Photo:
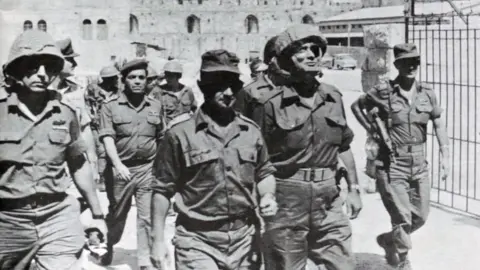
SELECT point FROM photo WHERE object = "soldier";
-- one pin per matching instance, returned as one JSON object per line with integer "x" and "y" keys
{"x": 178, "y": 100}
{"x": 305, "y": 129}
{"x": 38, "y": 134}
{"x": 131, "y": 126}
{"x": 97, "y": 94}
{"x": 406, "y": 106}
{"x": 263, "y": 88}
{"x": 152, "y": 79}
{"x": 257, "y": 68}
{"x": 215, "y": 163}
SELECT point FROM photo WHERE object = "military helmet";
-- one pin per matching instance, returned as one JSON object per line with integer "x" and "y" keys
{"x": 152, "y": 73}
{"x": 293, "y": 37}
{"x": 34, "y": 43}
{"x": 109, "y": 71}
{"x": 173, "y": 67}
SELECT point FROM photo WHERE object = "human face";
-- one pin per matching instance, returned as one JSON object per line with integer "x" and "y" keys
{"x": 136, "y": 80}
{"x": 37, "y": 73}
{"x": 222, "y": 89}
{"x": 407, "y": 67}
{"x": 151, "y": 81}
{"x": 307, "y": 58}
{"x": 111, "y": 82}
{"x": 172, "y": 78}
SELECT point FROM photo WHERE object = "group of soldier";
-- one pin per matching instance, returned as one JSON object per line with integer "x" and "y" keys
{"x": 238, "y": 205}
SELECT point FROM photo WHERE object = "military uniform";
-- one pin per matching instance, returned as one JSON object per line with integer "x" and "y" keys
{"x": 404, "y": 185}
{"x": 254, "y": 93}
{"x": 136, "y": 132}
{"x": 213, "y": 178}
{"x": 74, "y": 95}
{"x": 175, "y": 103}
{"x": 34, "y": 208}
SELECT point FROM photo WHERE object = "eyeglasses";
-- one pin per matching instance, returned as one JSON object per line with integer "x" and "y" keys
{"x": 31, "y": 65}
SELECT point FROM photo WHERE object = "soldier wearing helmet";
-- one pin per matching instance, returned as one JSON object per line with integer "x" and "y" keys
{"x": 306, "y": 132}
{"x": 178, "y": 100}
{"x": 96, "y": 95}
{"x": 40, "y": 133}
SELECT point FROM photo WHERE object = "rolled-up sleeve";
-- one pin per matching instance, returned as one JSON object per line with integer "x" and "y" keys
{"x": 77, "y": 145}
{"x": 167, "y": 166}
{"x": 437, "y": 110}
{"x": 264, "y": 166}
{"x": 347, "y": 134}
{"x": 106, "y": 122}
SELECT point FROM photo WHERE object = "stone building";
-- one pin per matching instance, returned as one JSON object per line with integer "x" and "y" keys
{"x": 103, "y": 30}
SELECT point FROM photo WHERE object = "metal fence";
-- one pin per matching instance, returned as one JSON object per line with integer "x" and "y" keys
{"x": 450, "y": 62}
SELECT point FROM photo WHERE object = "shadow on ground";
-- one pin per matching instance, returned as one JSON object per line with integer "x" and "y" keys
{"x": 124, "y": 257}
{"x": 371, "y": 261}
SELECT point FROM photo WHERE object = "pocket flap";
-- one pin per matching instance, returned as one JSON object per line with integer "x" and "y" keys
{"x": 11, "y": 136}
{"x": 121, "y": 119}
{"x": 59, "y": 136}
{"x": 248, "y": 154}
{"x": 424, "y": 107}
{"x": 336, "y": 120}
{"x": 195, "y": 157}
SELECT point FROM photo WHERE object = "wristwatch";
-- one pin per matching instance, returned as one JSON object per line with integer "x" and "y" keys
{"x": 354, "y": 187}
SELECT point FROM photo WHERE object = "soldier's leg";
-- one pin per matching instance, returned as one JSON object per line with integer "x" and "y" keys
{"x": 330, "y": 238}
{"x": 61, "y": 235}
{"x": 244, "y": 249}
{"x": 143, "y": 195}
{"x": 420, "y": 194}
{"x": 17, "y": 236}
{"x": 394, "y": 188}
{"x": 285, "y": 238}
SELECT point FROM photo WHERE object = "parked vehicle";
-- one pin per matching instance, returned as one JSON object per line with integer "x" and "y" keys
{"x": 343, "y": 61}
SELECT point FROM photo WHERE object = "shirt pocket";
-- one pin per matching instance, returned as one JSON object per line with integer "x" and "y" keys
{"x": 423, "y": 112}
{"x": 59, "y": 136}
{"x": 201, "y": 166}
{"x": 123, "y": 126}
{"x": 291, "y": 131}
{"x": 248, "y": 162}
{"x": 398, "y": 115}
{"x": 334, "y": 129}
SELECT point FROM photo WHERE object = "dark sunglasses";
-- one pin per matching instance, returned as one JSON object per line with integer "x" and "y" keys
{"x": 31, "y": 65}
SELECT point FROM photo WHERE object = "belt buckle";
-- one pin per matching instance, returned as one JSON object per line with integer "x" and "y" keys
{"x": 409, "y": 148}
{"x": 312, "y": 174}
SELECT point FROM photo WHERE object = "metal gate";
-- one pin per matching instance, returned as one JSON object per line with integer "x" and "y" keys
{"x": 447, "y": 42}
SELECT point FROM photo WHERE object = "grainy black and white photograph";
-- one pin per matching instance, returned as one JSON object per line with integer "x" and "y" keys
{"x": 239, "y": 135}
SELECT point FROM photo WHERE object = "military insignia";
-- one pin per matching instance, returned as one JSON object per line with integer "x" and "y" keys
{"x": 59, "y": 122}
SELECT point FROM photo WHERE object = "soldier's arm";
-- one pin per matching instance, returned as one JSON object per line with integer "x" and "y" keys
{"x": 87, "y": 136}
{"x": 358, "y": 108}
{"x": 346, "y": 155}
{"x": 163, "y": 186}
{"x": 81, "y": 170}
{"x": 107, "y": 135}
{"x": 439, "y": 126}
{"x": 264, "y": 171}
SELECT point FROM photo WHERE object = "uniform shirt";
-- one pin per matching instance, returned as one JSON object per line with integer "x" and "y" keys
{"x": 175, "y": 103}
{"x": 409, "y": 120}
{"x": 254, "y": 92}
{"x": 33, "y": 151}
{"x": 74, "y": 95}
{"x": 95, "y": 98}
{"x": 212, "y": 175}
{"x": 135, "y": 131}
{"x": 300, "y": 136}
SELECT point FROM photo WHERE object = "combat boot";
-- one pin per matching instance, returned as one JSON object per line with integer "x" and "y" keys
{"x": 391, "y": 255}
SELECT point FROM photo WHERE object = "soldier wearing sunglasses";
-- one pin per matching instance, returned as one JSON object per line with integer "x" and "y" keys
{"x": 306, "y": 132}
{"x": 38, "y": 134}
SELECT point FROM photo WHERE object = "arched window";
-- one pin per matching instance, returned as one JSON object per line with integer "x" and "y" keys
{"x": 251, "y": 24}
{"x": 87, "y": 30}
{"x": 133, "y": 24}
{"x": 307, "y": 19}
{"x": 42, "y": 25}
{"x": 193, "y": 24}
{"x": 102, "y": 30}
{"x": 27, "y": 25}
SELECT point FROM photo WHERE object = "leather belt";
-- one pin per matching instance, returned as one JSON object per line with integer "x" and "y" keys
{"x": 135, "y": 162}
{"x": 32, "y": 202}
{"x": 230, "y": 224}
{"x": 313, "y": 175}
{"x": 413, "y": 148}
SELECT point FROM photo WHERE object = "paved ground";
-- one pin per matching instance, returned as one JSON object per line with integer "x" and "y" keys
{"x": 447, "y": 241}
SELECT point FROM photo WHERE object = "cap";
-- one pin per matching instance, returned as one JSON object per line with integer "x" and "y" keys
{"x": 173, "y": 67}
{"x": 65, "y": 46}
{"x": 133, "y": 65}
{"x": 257, "y": 65}
{"x": 290, "y": 39}
{"x": 34, "y": 43}
{"x": 151, "y": 72}
{"x": 405, "y": 50}
{"x": 220, "y": 60}
{"x": 109, "y": 71}
{"x": 269, "y": 50}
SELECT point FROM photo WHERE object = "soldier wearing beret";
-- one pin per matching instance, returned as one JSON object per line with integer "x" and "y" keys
{"x": 178, "y": 100}
{"x": 405, "y": 106}
{"x": 131, "y": 126}
{"x": 38, "y": 134}
{"x": 306, "y": 132}
{"x": 216, "y": 164}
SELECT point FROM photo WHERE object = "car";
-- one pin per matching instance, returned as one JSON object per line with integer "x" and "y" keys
{"x": 344, "y": 61}
{"x": 326, "y": 61}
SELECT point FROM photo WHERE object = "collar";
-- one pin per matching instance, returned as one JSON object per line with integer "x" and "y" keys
{"x": 290, "y": 96}
{"x": 53, "y": 104}
{"x": 122, "y": 99}
{"x": 396, "y": 86}
{"x": 204, "y": 121}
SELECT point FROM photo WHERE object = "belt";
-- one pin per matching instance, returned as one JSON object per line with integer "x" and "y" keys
{"x": 135, "y": 162}
{"x": 229, "y": 224}
{"x": 410, "y": 148}
{"x": 313, "y": 175}
{"x": 32, "y": 202}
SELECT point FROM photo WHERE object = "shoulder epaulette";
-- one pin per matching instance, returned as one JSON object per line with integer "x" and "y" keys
{"x": 111, "y": 98}
{"x": 248, "y": 120}
{"x": 426, "y": 86}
